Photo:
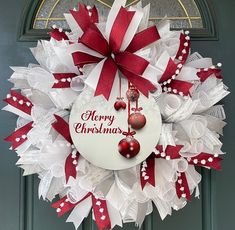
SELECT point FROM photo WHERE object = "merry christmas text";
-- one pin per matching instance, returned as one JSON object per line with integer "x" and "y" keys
{"x": 98, "y": 124}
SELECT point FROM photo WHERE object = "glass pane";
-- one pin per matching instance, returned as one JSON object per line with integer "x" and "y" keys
{"x": 183, "y": 13}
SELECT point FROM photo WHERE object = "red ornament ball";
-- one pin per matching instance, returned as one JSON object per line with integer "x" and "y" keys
{"x": 137, "y": 120}
{"x": 119, "y": 105}
{"x": 132, "y": 94}
{"x": 129, "y": 147}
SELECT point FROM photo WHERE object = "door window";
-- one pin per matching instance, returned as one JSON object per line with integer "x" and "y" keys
{"x": 182, "y": 13}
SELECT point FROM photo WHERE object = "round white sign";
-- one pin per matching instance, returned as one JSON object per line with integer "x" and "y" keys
{"x": 96, "y": 130}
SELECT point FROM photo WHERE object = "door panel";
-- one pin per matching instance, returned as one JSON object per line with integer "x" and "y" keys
{"x": 20, "y": 208}
{"x": 11, "y": 53}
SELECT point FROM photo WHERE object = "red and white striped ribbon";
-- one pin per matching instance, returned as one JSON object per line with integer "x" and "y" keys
{"x": 19, "y": 101}
{"x": 19, "y": 136}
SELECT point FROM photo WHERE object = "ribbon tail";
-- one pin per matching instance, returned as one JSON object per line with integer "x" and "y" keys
{"x": 169, "y": 72}
{"x": 184, "y": 50}
{"x": 181, "y": 86}
{"x": 19, "y": 136}
{"x": 62, "y": 127}
{"x": 142, "y": 84}
{"x": 57, "y": 35}
{"x": 70, "y": 167}
{"x": 83, "y": 18}
{"x": 141, "y": 213}
{"x": 19, "y": 102}
{"x": 45, "y": 184}
{"x": 80, "y": 212}
{"x": 147, "y": 172}
{"x": 207, "y": 160}
{"x": 63, "y": 205}
{"x": 101, "y": 213}
{"x": 106, "y": 79}
{"x": 204, "y": 74}
{"x": 182, "y": 188}
{"x": 114, "y": 215}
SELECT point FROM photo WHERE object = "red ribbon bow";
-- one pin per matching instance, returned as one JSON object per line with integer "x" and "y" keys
{"x": 129, "y": 64}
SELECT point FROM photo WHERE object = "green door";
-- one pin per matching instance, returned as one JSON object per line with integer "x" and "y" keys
{"x": 20, "y": 208}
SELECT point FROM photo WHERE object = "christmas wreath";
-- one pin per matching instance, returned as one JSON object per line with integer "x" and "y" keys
{"x": 116, "y": 116}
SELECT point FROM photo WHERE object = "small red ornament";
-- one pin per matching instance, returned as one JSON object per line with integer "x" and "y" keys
{"x": 137, "y": 120}
{"x": 129, "y": 147}
{"x": 119, "y": 104}
{"x": 132, "y": 94}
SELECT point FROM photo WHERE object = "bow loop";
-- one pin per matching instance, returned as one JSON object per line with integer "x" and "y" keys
{"x": 80, "y": 59}
{"x": 119, "y": 29}
{"x": 143, "y": 39}
{"x": 129, "y": 133}
{"x": 94, "y": 40}
{"x": 85, "y": 18}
